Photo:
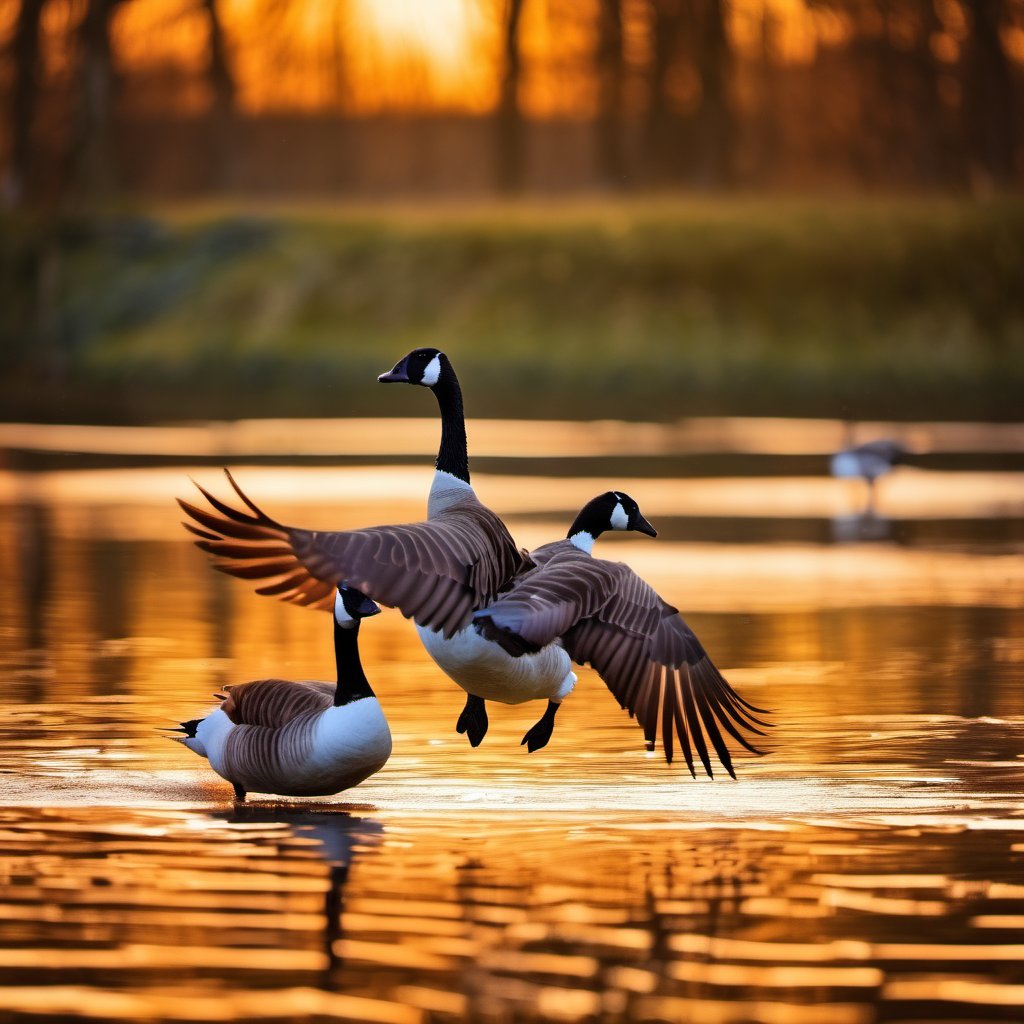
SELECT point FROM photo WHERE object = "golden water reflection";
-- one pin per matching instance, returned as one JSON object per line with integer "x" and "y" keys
{"x": 868, "y": 868}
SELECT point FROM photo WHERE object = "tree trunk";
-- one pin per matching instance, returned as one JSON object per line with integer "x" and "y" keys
{"x": 222, "y": 109}
{"x": 611, "y": 74}
{"x": 91, "y": 159}
{"x": 715, "y": 127}
{"x": 24, "y": 94}
{"x": 926, "y": 108}
{"x": 663, "y": 131}
{"x": 988, "y": 98}
{"x": 510, "y": 155}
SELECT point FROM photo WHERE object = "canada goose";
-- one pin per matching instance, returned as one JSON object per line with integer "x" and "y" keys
{"x": 868, "y": 461}
{"x": 608, "y": 617}
{"x": 300, "y": 738}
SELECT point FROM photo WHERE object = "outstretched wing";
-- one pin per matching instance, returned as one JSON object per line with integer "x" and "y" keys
{"x": 435, "y": 572}
{"x": 646, "y": 654}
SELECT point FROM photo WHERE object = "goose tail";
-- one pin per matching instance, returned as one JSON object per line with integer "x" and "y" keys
{"x": 187, "y": 733}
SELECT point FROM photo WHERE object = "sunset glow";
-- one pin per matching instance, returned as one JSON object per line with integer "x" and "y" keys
{"x": 367, "y": 57}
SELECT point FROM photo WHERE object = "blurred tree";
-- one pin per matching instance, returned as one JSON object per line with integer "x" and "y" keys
{"x": 888, "y": 67}
{"x": 989, "y": 108}
{"x": 222, "y": 110}
{"x": 690, "y": 123}
{"x": 25, "y": 49}
{"x": 925, "y": 107}
{"x": 662, "y": 131}
{"x": 91, "y": 160}
{"x": 611, "y": 72}
{"x": 765, "y": 141}
{"x": 510, "y": 155}
{"x": 698, "y": 93}
{"x": 712, "y": 163}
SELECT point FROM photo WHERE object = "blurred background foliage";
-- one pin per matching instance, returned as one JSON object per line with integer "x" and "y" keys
{"x": 643, "y": 208}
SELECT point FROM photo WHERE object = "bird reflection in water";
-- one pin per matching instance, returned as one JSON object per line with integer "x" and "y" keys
{"x": 862, "y": 528}
{"x": 339, "y": 836}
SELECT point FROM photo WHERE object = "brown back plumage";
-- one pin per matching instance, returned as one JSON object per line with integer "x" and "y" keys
{"x": 436, "y": 572}
{"x": 261, "y": 756}
{"x": 608, "y": 617}
{"x": 275, "y": 702}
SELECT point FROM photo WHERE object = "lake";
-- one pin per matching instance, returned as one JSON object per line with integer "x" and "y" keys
{"x": 869, "y": 867}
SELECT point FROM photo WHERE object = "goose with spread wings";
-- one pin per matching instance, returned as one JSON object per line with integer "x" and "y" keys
{"x": 606, "y": 616}
{"x": 437, "y": 572}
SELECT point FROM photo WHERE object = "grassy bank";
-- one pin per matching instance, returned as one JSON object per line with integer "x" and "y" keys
{"x": 652, "y": 310}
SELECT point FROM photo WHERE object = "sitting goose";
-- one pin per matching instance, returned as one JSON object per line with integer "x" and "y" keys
{"x": 608, "y": 617}
{"x": 300, "y": 739}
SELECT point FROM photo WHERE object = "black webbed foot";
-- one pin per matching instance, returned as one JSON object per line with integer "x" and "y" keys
{"x": 537, "y": 736}
{"x": 473, "y": 720}
{"x": 239, "y": 793}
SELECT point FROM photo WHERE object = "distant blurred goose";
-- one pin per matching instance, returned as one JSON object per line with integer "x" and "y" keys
{"x": 868, "y": 461}
{"x": 606, "y": 616}
{"x": 300, "y": 738}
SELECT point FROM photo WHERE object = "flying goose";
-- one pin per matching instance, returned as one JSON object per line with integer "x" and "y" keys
{"x": 300, "y": 738}
{"x": 606, "y": 616}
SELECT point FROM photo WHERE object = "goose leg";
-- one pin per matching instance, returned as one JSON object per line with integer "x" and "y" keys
{"x": 239, "y": 793}
{"x": 538, "y": 735}
{"x": 473, "y": 720}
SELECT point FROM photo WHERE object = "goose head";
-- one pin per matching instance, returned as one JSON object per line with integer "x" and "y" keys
{"x": 351, "y": 605}
{"x": 613, "y": 510}
{"x": 421, "y": 366}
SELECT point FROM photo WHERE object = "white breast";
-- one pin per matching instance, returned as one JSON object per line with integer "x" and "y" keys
{"x": 352, "y": 738}
{"x": 485, "y": 670}
{"x": 446, "y": 490}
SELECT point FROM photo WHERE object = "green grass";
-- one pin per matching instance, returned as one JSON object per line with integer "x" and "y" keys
{"x": 646, "y": 310}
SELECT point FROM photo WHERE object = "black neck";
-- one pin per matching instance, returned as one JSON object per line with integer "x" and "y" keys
{"x": 587, "y": 522}
{"x": 452, "y": 456}
{"x": 352, "y": 681}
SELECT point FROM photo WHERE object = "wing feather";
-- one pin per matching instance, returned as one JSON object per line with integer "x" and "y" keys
{"x": 656, "y": 668}
{"x": 436, "y": 572}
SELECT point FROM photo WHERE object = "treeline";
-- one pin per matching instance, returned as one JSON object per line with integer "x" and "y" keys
{"x": 615, "y": 95}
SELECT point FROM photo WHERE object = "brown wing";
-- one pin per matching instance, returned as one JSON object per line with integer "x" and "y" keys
{"x": 436, "y": 572}
{"x": 275, "y": 702}
{"x": 640, "y": 646}
{"x": 544, "y": 603}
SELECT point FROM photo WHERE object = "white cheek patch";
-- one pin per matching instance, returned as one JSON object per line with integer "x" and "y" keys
{"x": 619, "y": 519}
{"x": 341, "y": 615}
{"x": 432, "y": 374}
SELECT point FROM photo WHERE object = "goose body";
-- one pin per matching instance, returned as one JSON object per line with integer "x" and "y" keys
{"x": 300, "y": 738}
{"x": 484, "y": 669}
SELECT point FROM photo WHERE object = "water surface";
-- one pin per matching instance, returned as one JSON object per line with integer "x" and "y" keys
{"x": 869, "y": 868}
